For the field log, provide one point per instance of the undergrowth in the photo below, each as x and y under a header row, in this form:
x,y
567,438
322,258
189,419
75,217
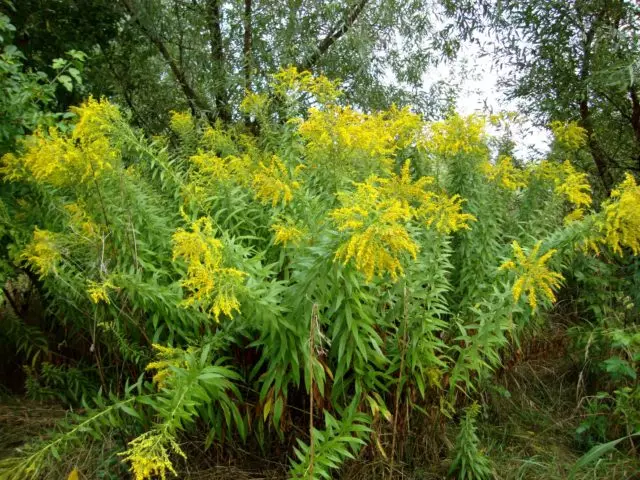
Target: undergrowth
x,y
348,293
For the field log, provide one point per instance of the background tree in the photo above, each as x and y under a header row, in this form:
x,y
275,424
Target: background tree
x,y
570,60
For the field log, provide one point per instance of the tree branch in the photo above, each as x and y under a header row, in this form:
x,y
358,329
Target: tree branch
x,y
335,35
585,113
214,21
247,45
197,104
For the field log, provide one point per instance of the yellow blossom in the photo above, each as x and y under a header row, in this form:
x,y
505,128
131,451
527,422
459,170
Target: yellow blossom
x,y
457,135
577,214
209,283
570,134
219,140
290,81
81,223
232,167
254,103
574,186
287,233
377,233
445,213
166,359
274,183
96,118
181,123
438,210
149,455
345,141
505,173
620,223
99,292
533,275
68,159
402,187
568,183
43,253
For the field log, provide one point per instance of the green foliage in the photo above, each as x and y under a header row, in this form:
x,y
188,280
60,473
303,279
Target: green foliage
x,y
247,280
28,96
338,441
469,462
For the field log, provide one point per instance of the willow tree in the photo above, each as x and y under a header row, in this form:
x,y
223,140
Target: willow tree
x,y
570,60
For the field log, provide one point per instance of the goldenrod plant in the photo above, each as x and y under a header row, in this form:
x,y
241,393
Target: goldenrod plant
x,y
337,268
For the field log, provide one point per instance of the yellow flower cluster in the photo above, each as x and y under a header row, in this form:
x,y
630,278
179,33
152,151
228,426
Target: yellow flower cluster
x,y
99,292
274,183
63,159
81,223
209,283
620,224
569,183
533,275
456,135
254,103
290,80
149,455
167,357
220,140
378,235
570,134
438,210
43,253
96,118
402,187
181,123
339,137
232,167
287,233
574,186
505,174
445,213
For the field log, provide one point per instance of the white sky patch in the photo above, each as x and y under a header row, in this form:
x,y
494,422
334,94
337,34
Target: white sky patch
x,y
479,92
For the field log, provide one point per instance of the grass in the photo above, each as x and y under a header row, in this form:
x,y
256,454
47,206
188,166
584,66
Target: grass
x,y
527,430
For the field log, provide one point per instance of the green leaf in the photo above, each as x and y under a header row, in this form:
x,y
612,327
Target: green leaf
x,y
66,82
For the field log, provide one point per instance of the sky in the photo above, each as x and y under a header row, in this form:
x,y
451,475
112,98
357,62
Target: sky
x,y
480,93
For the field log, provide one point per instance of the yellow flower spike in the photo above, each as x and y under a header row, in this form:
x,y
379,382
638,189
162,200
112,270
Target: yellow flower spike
x,y
505,173
166,358
456,135
254,103
574,186
377,233
149,455
290,80
445,213
621,224
68,159
43,253
570,134
99,292
273,183
287,234
81,223
402,187
577,214
209,283
343,139
532,274
181,123
211,165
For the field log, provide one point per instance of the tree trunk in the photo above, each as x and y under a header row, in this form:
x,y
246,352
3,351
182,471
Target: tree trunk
x,y
247,45
197,104
218,68
335,35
